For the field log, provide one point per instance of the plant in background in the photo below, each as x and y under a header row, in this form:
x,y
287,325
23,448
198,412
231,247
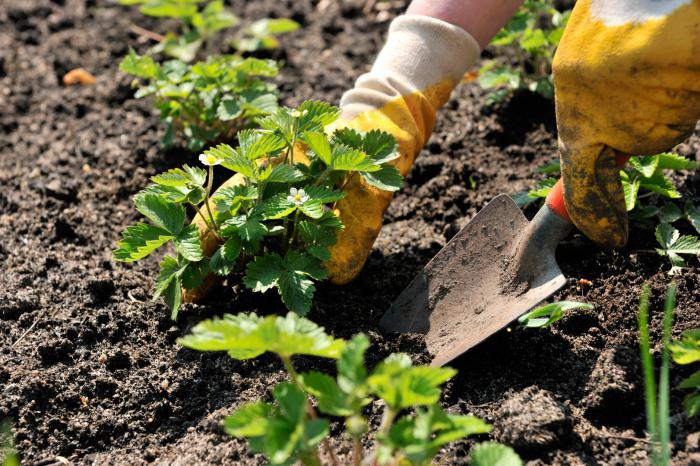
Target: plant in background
x,y
290,429
687,351
201,20
530,38
657,400
546,315
208,101
644,182
278,222
8,452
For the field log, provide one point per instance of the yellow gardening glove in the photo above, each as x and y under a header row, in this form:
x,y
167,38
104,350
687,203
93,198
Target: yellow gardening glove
x,y
627,80
413,76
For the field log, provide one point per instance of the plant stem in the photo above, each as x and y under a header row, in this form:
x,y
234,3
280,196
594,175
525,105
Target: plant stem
x,y
210,184
663,418
309,407
647,367
387,420
206,222
356,451
294,229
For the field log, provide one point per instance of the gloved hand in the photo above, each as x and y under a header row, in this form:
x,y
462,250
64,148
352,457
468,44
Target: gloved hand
x,y
627,81
423,60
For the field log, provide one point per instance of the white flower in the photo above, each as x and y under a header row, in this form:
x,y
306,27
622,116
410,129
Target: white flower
x,y
209,159
297,196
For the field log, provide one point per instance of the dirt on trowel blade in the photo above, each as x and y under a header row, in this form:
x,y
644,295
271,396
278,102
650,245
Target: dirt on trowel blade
x,y
474,286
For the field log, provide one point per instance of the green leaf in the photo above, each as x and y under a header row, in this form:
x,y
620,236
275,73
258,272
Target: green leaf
x,y
194,274
264,272
163,214
301,263
380,146
546,315
170,270
318,144
229,199
250,420
278,206
225,257
646,166
166,9
140,66
296,292
229,109
312,208
630,186
672,161
402,385
316,115
387,178
173,298
139,241
691,382
255,144
247,336
692,213
687,350
673,245
331,400
188,244
233,160
691,403
351,365
273,26
661,185
550,168
494,454
670,213
181,177
324,194
249,227
345,158
284,173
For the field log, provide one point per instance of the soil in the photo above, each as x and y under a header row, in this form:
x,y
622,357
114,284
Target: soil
x,y
89,367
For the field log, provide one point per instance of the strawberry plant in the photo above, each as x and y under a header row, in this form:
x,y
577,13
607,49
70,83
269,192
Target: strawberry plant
x,y
291,429
208,101
530,39
277,221
687,351
546,315
201,20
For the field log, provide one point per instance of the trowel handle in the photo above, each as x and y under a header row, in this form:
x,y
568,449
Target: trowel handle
x,y
555,198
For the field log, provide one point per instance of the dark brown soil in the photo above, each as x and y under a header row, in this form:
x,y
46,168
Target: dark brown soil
x,y
89,368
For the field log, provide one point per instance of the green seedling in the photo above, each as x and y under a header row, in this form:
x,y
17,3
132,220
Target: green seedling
x,y
546,315
657,401
531,37
494,454
687,351
206,102
674,246
9,454
200,22
278,222
290,429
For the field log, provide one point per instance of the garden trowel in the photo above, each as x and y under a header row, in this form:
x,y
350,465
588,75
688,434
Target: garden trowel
x,y
499,266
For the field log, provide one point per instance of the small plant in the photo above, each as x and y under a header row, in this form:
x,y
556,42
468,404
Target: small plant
x,y
208,101
546,315
9,454
278,222
531,37
291,429
687,351
201,20
657,401
673,245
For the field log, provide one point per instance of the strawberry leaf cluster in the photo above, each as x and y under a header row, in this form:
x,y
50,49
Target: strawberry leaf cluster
x,y
290,429
201,20
275,220
208,101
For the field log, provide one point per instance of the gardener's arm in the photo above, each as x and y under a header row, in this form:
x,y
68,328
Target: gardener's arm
x,y
427,52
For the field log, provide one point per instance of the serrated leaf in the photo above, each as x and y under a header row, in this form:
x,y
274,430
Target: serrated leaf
x,y
387,178
296,292
331,400
692,381
673,245
264,272
670,213
402,385
173,297
546,315
188,244
170,269
494,454
351,365
630,187
692,213
687,350
250,420
163,214
140,66
194,274
223,260
691,404
661,185
246,336
248,227
324,194
255,144
229,199
285,173
672,161
229,109
233,160
278,206
318,143
181,177
380,146
301,263
139,241
316,115
646,166
312,208
345,158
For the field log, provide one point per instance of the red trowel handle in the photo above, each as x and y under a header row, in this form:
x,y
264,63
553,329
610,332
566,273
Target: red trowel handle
x,y
555,198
